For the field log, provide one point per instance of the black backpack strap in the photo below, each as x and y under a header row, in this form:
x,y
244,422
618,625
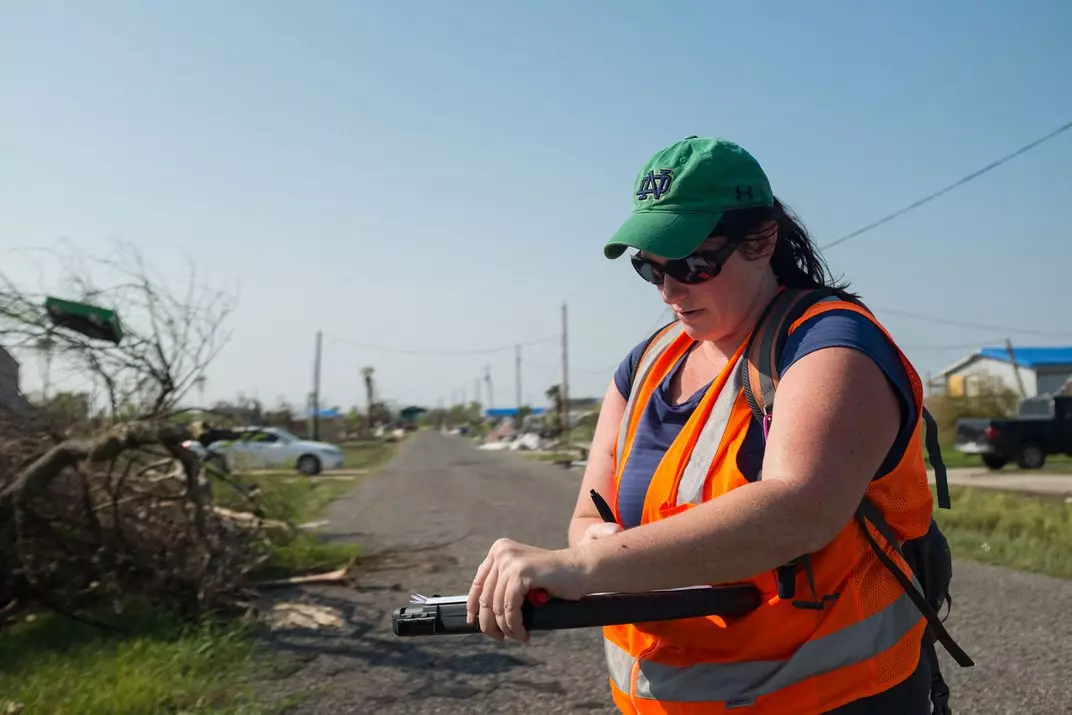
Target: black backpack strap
x,y
939,688
759,371
759,375
934,453
869,513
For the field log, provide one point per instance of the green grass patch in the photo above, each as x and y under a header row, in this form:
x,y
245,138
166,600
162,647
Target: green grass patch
x,y
1024,532
548,456
158,664
297,499
161,663
287,496
369,455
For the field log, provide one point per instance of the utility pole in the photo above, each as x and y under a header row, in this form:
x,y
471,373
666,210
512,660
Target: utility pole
x,y
517,373
564,397
476,390
1015,368
314,419
487,380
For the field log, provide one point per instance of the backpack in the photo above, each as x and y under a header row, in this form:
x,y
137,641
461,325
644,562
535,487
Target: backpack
x,y
928,556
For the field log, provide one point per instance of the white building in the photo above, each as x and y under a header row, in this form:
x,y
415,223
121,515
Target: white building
x,y
1042,371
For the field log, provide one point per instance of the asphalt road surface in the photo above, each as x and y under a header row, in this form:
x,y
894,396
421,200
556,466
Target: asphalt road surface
x,y
431,515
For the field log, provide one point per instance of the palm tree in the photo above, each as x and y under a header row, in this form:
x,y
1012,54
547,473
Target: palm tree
x,y
367,372
554,394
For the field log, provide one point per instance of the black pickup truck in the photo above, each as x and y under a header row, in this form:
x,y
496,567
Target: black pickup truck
x,y
1043,427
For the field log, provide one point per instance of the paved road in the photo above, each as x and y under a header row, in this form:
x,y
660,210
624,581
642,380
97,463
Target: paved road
x,y
433,512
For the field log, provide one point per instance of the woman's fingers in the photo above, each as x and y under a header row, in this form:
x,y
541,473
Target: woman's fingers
x,y
489,625
498,592
472,603
514,594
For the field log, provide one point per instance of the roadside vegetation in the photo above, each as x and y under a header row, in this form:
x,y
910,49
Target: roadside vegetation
x,y
1019,531
166,661
127,566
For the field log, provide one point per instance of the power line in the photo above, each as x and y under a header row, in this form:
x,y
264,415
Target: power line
x,y
939,348
415,351
967,324
974,175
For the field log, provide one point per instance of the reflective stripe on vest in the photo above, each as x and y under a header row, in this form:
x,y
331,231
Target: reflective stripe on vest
x,y
694,476
740,683
648,359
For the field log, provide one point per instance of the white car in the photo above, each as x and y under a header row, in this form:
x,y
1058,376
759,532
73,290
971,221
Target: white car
x,y
267,447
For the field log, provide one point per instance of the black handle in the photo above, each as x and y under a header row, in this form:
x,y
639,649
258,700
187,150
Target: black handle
x,y
589,612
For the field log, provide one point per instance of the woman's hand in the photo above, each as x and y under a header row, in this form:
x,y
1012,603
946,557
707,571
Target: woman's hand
x,y
599,530
505,578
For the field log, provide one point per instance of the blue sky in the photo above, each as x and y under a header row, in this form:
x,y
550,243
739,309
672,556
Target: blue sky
x,y
442,176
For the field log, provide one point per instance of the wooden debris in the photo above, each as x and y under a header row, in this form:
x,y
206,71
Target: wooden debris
x,y
336,576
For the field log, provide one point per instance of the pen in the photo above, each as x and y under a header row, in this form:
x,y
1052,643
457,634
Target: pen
x,y
605,512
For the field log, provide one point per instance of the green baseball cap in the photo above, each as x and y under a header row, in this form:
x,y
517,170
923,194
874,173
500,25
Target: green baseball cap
x,y
682,193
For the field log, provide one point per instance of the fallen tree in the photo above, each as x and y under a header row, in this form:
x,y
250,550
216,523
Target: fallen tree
x,y
89,519
112,507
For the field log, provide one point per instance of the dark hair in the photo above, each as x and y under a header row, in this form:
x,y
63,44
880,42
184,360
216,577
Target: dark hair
x,y
796,260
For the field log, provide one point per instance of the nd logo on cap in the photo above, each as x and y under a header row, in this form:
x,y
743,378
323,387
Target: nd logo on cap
x,y
655,185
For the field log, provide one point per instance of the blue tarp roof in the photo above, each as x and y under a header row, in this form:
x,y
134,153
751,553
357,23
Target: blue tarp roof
x,y
324,413
511,411
1032,357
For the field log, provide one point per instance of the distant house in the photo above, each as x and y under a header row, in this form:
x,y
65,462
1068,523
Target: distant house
x,y
11,397
1043,371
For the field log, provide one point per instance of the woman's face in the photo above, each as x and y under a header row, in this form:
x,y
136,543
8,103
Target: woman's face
x,y
720,307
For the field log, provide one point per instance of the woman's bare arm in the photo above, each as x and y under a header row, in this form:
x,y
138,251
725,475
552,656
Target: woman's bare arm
x,y
599,474
837,417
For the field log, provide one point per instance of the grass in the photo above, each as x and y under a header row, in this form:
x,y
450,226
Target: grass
x,y
290,497
547,456
1023,532
367,455
161,663
1055,463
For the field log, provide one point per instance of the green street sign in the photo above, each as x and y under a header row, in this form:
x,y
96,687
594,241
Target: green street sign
x,y
88,320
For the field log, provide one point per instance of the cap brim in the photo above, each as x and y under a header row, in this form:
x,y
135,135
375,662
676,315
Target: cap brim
x,y
662,233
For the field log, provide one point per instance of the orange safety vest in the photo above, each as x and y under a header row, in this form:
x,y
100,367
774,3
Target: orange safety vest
x,y
779,659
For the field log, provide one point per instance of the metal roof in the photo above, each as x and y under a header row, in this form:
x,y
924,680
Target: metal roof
x,y
510,411
329,413
1028,357
1031,357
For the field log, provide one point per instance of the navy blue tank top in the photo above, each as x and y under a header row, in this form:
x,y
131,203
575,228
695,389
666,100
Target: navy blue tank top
x,y
662,420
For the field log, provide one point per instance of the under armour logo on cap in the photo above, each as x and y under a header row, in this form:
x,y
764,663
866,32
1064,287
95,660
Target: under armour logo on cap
x,y
741,193
655,185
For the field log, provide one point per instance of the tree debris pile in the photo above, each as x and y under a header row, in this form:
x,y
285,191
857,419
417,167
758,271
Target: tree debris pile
x,y
98,498
128,513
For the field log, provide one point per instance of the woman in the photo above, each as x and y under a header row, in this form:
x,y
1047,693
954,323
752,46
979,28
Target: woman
x,y
719,246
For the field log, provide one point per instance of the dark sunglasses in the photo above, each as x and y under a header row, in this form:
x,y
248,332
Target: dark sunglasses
x,y
693,269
